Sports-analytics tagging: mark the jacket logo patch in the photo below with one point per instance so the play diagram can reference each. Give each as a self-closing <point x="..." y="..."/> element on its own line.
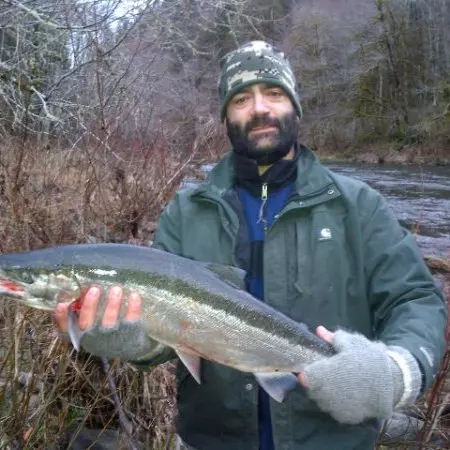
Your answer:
<point x="325" y="234"/>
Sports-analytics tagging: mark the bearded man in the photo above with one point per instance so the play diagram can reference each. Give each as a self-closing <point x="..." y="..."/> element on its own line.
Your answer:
<point x="321" y="248"/>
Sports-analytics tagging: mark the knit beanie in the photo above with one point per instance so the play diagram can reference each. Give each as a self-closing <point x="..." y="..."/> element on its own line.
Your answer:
<point x="255" y="62"/>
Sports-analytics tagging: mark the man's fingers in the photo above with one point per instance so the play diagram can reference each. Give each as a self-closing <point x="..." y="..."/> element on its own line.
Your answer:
<point x="113" y="305"/>
<point x="302" y="379"/>
<point x="61" y="315"/>
<point x="89" y="307"/>
<point x="325" y="334"/>
<point x="134" y="307"/>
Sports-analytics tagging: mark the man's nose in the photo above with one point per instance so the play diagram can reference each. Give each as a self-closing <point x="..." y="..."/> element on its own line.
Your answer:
<point x="259" y="104"/>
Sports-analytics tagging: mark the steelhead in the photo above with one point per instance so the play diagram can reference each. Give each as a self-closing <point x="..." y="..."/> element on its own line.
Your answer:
<point x="199" y="309"/>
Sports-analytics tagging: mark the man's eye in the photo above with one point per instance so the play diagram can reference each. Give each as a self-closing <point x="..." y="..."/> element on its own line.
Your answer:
<point x="275" y="93"/>
<point x="240" y="100"/>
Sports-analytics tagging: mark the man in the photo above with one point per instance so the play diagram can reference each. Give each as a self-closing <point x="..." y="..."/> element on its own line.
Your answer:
<point x="323" y="249"/>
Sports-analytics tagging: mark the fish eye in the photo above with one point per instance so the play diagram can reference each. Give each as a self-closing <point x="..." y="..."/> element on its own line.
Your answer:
<point x="27" y="277"/>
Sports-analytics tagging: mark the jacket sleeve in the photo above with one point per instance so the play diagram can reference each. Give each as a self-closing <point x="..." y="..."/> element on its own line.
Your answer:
<point x="168" y="239"/>
<point x="168" y="234"/>
<point x="408" y="308"/>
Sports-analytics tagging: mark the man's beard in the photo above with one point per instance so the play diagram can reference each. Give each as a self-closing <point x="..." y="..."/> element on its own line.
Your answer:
<point x="282" y="140"/>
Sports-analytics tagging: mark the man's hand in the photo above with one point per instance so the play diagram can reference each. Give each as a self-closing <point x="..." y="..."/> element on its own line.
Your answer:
<point x="109" y="335"/>
<point x="326" y="335"/>
<point x="90" y="305"/>
<point x="363" y="380"/>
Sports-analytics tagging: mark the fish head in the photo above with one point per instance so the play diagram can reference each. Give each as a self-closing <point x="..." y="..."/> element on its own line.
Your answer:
<point x="39" y="288"/>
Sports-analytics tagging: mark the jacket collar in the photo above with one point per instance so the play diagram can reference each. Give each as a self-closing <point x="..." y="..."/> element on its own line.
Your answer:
<point x="312" y="176"/>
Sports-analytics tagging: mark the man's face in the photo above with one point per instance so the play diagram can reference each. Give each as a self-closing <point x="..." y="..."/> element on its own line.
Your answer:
<point x="261" y="120"/>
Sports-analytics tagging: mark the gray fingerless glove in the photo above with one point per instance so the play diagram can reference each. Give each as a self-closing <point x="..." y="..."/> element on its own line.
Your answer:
<point x="363" y="380"/>
<point x="126" y="341"/>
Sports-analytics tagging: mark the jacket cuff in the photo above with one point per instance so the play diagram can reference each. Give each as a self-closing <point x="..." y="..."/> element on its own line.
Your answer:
<point x="411" y="375"/>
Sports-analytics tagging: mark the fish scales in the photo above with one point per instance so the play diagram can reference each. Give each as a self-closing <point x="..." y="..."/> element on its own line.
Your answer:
<point x="224" y="336"/>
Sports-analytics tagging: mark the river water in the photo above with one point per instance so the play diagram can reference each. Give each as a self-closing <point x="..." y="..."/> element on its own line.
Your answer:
<point x="418" y="195"/>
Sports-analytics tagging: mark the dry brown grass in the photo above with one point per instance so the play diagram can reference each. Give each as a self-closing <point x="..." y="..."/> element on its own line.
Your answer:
<point x="52" y="196"/>
<point x="49" y="392"/>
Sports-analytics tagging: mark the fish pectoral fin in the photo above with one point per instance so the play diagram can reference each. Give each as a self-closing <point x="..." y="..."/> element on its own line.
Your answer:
<point x="192" y="363"/>
<point x="73" y="330"/>
<point x="277" y="384"/>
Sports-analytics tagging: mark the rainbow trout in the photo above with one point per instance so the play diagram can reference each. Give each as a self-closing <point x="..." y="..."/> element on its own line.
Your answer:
<point x="199" y="309"/>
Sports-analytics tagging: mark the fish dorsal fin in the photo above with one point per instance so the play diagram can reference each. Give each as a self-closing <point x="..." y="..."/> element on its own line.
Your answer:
<point x="231" y="275"/>
<point x="192" y="363"/>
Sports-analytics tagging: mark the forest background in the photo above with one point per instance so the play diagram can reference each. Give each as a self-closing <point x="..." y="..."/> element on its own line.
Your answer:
<point x="373" y="74"/>
<point x="106" y="106"/>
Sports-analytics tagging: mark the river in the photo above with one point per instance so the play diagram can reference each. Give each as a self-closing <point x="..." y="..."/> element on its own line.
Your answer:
<point x="418" y="195"/>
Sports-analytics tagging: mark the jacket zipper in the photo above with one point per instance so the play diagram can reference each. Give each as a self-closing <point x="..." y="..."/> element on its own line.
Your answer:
<point x="262" y="210"/>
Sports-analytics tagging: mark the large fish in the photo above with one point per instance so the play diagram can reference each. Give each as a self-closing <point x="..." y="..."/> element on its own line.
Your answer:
<point x="199" y="309"/>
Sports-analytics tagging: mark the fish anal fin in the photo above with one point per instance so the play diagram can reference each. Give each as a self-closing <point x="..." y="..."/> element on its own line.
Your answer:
<point x="192" y="363"/>
<point x="277" y="384"/>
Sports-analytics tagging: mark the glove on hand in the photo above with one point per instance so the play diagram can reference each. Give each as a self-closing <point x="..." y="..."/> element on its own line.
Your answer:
<point x="126" y="341"/>
<point x="363" y="380"/>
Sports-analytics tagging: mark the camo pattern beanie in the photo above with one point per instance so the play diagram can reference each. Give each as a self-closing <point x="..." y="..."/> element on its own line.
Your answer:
<point x="255" y="62"/>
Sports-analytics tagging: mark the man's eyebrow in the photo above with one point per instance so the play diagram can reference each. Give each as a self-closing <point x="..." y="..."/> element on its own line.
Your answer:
<point x="244" y="90"/>
<point x="248" y="89"/>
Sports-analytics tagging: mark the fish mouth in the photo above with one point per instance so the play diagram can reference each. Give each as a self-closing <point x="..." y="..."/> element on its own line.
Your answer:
<point x="15" y="291"/>
<point x="11" y="289"/>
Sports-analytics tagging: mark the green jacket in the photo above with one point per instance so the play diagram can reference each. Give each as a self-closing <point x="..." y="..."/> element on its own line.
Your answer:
<point x="334" y="256"/>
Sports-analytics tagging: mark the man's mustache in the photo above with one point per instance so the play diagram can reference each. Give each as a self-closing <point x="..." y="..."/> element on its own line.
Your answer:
<point x="260" y="122"/>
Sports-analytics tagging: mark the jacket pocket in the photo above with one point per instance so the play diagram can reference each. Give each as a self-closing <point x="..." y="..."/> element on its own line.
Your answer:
<point x="321" y="269"/>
